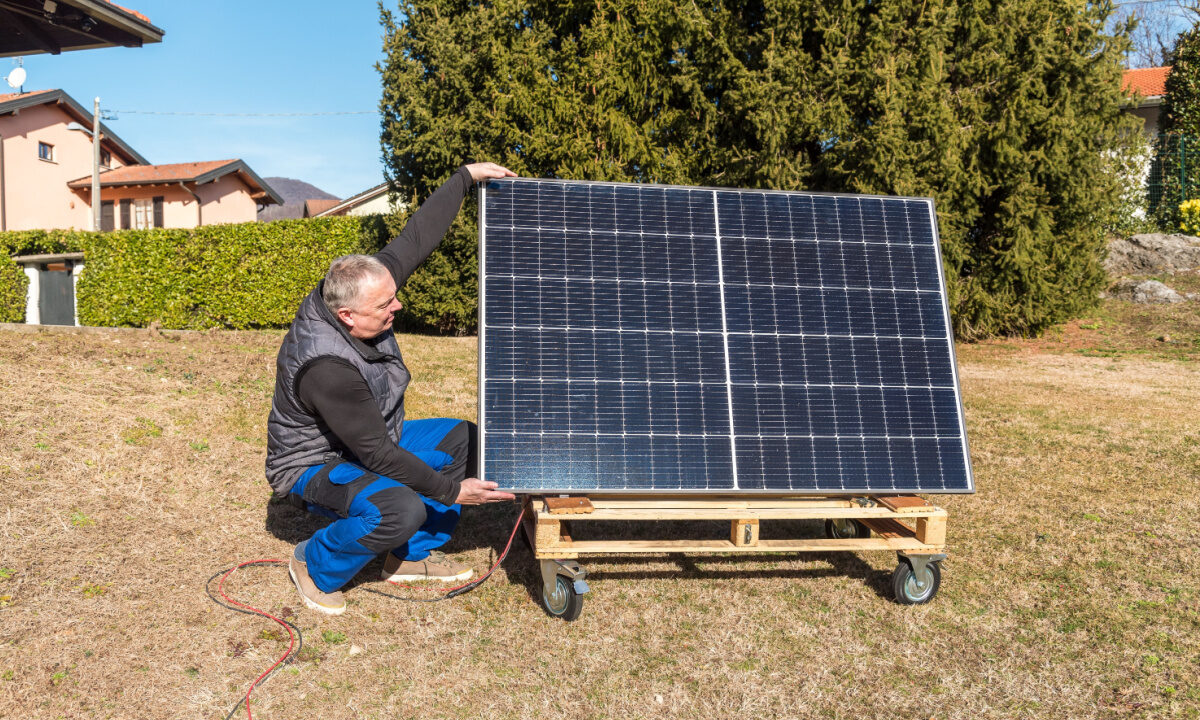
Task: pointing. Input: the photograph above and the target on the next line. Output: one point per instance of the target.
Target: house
(46, 158)
(315, 206)
(178, 194)
(1149, 85)
(368, 202)
(29, 27)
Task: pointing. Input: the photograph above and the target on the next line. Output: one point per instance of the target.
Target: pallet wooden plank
(618, 547)
(735, 502)
(606, 512)
(548, 532)
(568, 505)
(932, 530)
(888, 528)
(744, 532)
(902, 503)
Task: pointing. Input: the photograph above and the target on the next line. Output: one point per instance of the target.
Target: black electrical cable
(288, 657)
(282, 661)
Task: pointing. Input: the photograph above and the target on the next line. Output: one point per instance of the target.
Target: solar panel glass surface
(671, 339)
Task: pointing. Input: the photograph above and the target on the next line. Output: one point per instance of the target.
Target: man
(337, 441)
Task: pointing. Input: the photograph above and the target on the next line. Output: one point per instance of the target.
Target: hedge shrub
(13, 285)
(251, 275)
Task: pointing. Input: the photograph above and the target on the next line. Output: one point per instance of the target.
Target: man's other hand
(474, 491)
(488, 170)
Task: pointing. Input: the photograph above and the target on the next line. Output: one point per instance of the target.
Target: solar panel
(642, 338)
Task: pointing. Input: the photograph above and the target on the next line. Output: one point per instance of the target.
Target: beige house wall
(36, 195)
(35, 190)
(376, 205)
(227, 201)
(179, 207)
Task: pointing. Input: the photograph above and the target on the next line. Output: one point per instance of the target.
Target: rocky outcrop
(1144, 291)
(1153, 254)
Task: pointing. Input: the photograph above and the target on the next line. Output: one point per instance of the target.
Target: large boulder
(1153, 254)
(1144, 291)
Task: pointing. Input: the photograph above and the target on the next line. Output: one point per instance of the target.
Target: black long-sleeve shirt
(335, 390)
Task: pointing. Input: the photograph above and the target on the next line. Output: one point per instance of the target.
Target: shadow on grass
(486, 526)
(522, 567)
(489, 527)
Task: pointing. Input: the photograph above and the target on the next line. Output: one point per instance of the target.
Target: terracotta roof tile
(13, 96)
(143, 174)
(1147, 82)
(314, 206)
(127, 11)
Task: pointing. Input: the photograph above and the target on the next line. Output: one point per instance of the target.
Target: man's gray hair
(345, 279)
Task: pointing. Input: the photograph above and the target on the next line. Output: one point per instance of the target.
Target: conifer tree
(1002, 110)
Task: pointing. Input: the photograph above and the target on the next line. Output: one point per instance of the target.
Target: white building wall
(33, 314)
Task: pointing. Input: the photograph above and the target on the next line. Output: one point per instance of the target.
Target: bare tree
(1157, 23)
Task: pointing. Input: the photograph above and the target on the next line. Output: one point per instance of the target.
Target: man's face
(376, 304)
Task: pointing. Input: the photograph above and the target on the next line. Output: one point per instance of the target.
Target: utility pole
(96, 165)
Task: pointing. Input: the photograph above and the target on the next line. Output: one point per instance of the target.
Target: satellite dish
(16, 78)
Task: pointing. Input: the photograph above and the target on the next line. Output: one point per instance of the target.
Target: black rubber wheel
(565, 603)
(912, 590)
(842, 528)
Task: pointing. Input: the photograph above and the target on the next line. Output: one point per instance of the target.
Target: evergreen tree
(1177, 152)
(1002, 110)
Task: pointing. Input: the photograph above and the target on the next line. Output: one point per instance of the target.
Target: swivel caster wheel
(563, 602)
(916, 587)
(842, 528)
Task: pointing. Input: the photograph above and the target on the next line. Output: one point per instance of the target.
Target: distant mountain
(294, 192)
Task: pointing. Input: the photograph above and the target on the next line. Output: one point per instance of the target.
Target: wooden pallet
(905, 524)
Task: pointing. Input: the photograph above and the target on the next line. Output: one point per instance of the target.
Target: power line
(212, 114)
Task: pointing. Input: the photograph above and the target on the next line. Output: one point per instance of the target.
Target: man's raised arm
(428, 225)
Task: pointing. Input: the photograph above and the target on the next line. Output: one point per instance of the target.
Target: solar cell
(640, 338)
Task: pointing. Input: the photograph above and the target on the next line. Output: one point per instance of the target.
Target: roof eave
(74, 108)
(115, 18)
(128, 22)
(356, 200)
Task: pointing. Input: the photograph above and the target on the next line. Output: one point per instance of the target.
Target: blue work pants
(374, 514)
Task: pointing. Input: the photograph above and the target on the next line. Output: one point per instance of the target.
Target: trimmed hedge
(13, 285)
(251, 275)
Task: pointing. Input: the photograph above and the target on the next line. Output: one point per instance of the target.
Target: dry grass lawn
(131, 470)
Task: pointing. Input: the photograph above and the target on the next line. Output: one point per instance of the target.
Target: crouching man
(337, 441)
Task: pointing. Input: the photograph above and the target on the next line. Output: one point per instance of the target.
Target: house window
(105, 159)
(46, 151)
(143, 214)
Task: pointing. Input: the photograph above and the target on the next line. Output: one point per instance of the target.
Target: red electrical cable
(256, 611)
(447, 593)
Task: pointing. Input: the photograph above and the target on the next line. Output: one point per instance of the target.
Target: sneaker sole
(465, 575)
(313, 604)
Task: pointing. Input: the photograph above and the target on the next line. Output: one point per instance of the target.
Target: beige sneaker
(333, 603)
(435, 567)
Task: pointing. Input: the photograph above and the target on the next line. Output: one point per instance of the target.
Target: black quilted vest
(297, 438)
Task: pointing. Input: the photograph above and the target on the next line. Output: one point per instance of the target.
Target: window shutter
(106, 215)
(158, 211)
(126, 214)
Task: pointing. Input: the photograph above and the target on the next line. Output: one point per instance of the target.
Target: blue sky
(250, 56)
